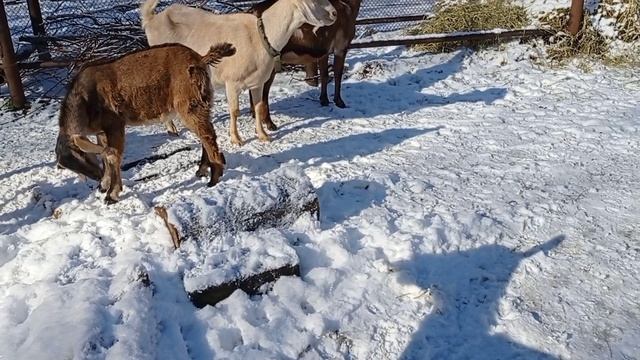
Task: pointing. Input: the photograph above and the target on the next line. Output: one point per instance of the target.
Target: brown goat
(137, 89)
(313, 49)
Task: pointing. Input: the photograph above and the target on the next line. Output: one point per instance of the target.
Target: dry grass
(471, 15)
(626, 14)
(588, 43)
(591, 44)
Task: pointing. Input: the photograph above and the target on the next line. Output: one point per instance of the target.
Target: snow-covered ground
(474, 206)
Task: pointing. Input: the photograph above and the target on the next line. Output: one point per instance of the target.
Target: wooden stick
(575, 17)
(37, 25)
(9, 65)
(390, 19)
(463, 36)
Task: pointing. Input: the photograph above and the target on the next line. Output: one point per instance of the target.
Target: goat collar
(265, 42)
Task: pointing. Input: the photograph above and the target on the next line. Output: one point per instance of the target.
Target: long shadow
(467, 287)
(25, 169)
(398, 95)
(341, 149)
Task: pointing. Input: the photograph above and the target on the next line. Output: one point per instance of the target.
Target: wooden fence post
(9, 64)
(37, 25)
(575, 17)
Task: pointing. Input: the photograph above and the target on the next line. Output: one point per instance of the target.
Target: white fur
(252, 65)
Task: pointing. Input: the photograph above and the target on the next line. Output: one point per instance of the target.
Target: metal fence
(69, 20)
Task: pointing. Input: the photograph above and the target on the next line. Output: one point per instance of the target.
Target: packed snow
(473, 206)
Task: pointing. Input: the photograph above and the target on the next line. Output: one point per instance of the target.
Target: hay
(626, 16)
(616, 20)
(588, 43)
(471, 15)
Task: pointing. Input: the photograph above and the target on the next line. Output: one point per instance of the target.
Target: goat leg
(251, 102)
(265, 98)
(105, 183)
(261, 113)
(234, 113)
(111, 158)
(203, 167)
(311, 70)
(200, 125)
(338, 69)
(81, 157)
(323, 64)
(168, 123)
(113, 154)
(71, 157)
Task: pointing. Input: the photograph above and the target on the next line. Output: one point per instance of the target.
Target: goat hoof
(264, 138)
(211, 183)
(271, 126)
(109, 201)
(339, 103)
(202, 173)
(102, 190)
(174, 134)
(324, 102)
(237, 142)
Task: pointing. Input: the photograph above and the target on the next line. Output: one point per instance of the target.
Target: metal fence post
(37, 25)
(9, 64)
(575, 17)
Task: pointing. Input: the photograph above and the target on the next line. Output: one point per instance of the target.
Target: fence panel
(63, 18)
(81, 30)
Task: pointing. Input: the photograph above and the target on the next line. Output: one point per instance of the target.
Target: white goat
(257, 47)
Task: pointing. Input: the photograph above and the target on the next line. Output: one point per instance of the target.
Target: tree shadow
(402, 94)
(467, 287)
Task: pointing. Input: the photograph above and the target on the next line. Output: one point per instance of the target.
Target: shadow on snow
(467, 287)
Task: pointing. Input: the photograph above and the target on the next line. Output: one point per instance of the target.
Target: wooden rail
(462, 36)
(392, 19)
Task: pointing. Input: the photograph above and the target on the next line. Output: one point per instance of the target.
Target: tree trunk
(575, 17)
(9, 65)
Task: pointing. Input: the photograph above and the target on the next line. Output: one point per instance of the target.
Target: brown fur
(136, 89)
(312, 50)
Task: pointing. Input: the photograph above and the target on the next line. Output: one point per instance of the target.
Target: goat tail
(217, 52)
(146, 11)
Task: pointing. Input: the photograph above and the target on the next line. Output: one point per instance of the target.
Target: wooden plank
(501, 35)
(250, 285)
(153, 158)
(390, 19)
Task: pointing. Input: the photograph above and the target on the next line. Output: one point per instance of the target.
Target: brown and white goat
(137, 89)
(312, 49)
(255, 59)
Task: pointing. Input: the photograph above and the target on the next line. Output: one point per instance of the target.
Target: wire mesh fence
(76, 31)
(66, 19)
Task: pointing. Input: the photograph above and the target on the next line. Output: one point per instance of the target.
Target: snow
(231, 207)
(218, 226)
(473, 205)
